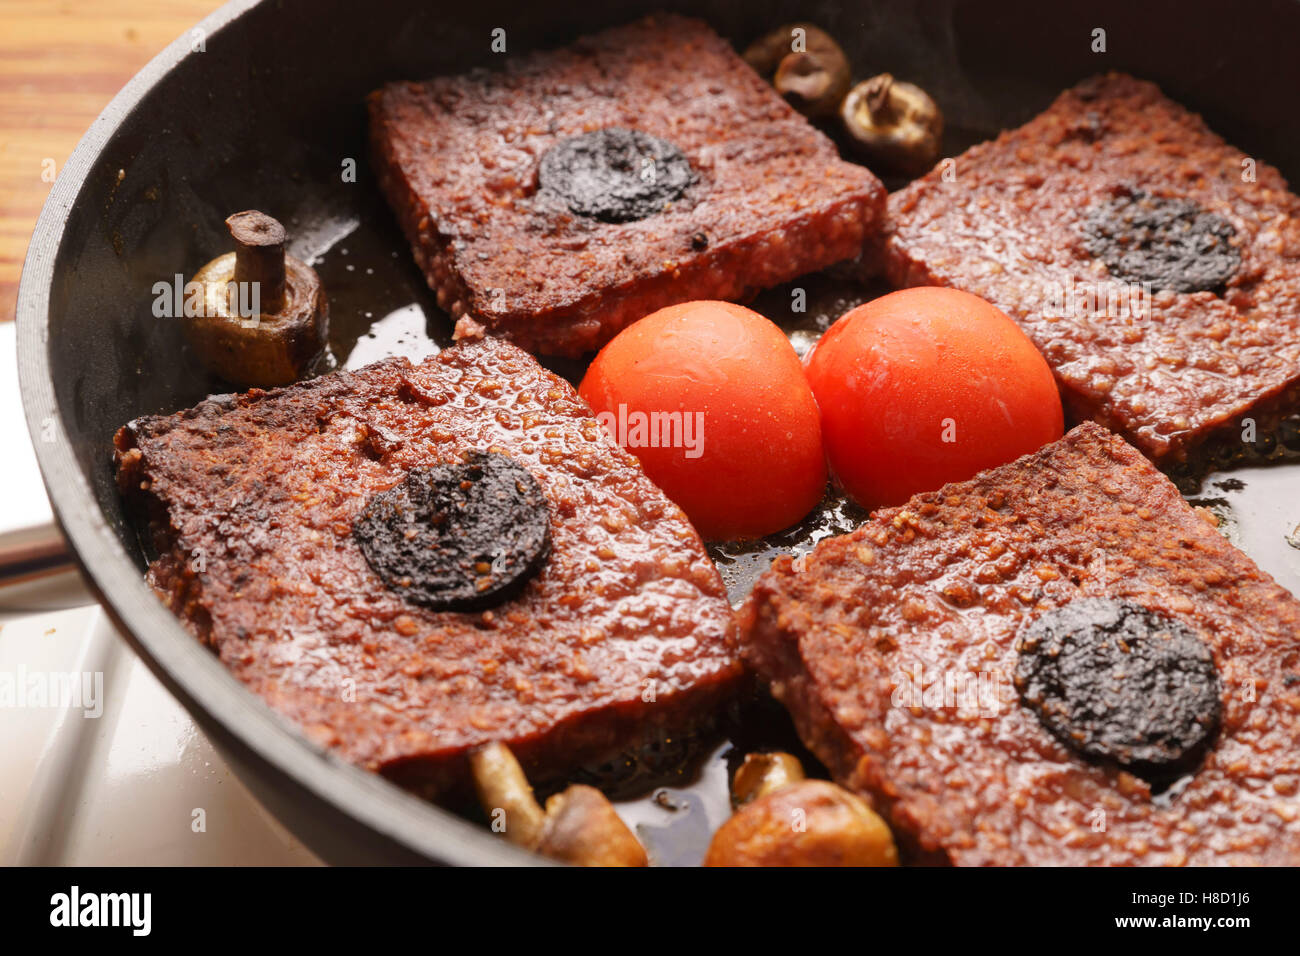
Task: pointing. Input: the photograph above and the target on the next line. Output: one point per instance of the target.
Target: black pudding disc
(1171, 243)
(615, 175)
(458, 537)
(1118, 683)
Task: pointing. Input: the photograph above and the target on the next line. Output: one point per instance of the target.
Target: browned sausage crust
(625, 631)
(458, 159)
(894, 647)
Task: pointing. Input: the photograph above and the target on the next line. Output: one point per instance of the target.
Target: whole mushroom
(265, 318)
(785, 820)
(805, 65)
(893, 125)
(578, 826)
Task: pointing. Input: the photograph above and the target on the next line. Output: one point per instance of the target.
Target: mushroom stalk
(506, 795)
(578, 826)
(876, 92)
(259, 255)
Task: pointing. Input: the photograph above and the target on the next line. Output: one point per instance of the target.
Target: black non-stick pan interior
(265, 109)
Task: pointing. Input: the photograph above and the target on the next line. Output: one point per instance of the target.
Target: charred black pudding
(616, 175)
(458, 537)
(1173, 244)
(1119, 683)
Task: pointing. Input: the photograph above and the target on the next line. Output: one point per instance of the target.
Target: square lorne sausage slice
(1155, 266)
(1055, 662)
(408, 561)
(573, 191)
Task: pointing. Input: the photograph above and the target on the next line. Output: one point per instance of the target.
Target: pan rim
(191, 672)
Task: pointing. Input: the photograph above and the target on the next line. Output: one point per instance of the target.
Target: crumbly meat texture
(458, 159)
(1011, 228)
(625, 632)
(894, 648)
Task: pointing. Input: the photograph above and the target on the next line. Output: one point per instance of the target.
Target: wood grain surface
(61, 61)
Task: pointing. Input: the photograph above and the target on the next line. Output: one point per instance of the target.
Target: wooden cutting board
(61, 61)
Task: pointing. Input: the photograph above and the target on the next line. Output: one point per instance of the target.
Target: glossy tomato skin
(759, 467)
(926, 386)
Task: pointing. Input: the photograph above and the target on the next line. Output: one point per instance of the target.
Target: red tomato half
(713, 399)
(926, 386)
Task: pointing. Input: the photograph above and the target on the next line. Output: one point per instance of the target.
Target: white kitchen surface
(138, 784)
(133, 783)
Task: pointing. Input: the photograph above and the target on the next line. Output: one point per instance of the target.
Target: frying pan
(261, 106)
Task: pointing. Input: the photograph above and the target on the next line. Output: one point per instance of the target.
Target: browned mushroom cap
(578, 826)
(806, 66)
(265, 318)
(767, 52)
(893, 125)
(582, 828)
(815, 82)
(761, 773)
(806, 823)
